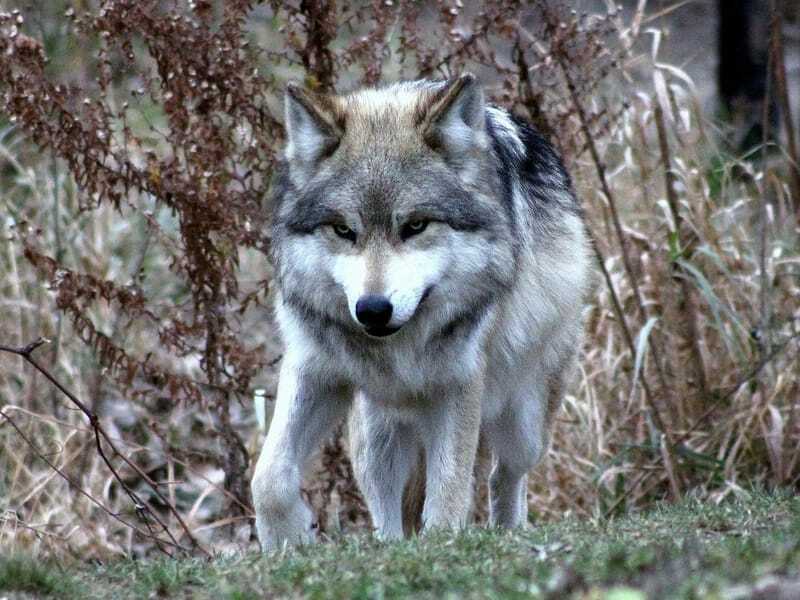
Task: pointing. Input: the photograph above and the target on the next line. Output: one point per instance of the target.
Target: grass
(19, 573)
(606, 455)
(687, 550)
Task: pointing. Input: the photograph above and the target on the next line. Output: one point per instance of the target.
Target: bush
(155, 132)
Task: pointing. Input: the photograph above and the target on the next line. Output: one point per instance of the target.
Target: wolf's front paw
(279, 530)
(282, 518)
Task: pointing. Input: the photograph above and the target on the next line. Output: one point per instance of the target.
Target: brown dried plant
(136, 158)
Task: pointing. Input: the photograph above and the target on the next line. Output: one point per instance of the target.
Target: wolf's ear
(313, 126)
(454, 120)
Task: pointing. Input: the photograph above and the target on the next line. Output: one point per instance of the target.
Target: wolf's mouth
(381, 331)
(425, 295)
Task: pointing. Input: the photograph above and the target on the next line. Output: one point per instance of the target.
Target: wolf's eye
(343, 231)
(413, 228)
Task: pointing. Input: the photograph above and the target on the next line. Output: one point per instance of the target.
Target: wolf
(431, 266)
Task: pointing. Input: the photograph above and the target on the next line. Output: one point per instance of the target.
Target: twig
(687, 304)
(600, 167)
(169, 453)
(666, 11)
(83, 492)
(142, 509)
(445, 60)
(766, 339)
(320, 28)
(15, 521)
(779, 69)
(527, 93)
(601, 174)
(750, 375)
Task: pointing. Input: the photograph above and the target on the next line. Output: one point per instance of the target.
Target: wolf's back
(530, 167)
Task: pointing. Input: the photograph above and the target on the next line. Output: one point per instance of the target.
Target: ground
(748, 547)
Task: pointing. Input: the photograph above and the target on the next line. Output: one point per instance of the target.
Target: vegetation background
(137, 140)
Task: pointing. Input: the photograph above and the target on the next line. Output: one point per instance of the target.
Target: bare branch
(142, 508)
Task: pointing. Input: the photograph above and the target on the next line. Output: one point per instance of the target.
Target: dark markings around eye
(412, 228)
(343, 231)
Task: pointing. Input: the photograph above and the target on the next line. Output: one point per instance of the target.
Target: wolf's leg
(518, 437)
(517, 449)
(523, 502)
(450, 437)
(305, 412)
(383, 452)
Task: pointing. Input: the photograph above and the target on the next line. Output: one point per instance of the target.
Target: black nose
(373, 310)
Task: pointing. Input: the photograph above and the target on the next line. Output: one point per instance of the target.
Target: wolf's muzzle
(374, 312)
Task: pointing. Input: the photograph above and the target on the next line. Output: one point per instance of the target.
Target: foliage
(26, 574)
(738, 549)
(139, 143)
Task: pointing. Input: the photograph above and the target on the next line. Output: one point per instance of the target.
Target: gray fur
(487, 300)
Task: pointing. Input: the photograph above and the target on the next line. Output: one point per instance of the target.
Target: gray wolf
(431, 265)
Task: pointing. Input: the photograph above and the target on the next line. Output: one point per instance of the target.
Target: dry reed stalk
(605, 451)
(623, 243)
(687, 305)
(764, 333)
(778, 54)
(675, 483)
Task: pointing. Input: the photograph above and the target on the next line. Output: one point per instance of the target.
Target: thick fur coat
(431, 264)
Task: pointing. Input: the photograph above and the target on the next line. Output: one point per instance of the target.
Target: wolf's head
(389, 205)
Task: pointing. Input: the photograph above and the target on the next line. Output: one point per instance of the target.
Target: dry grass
(700, 397)
(727, 335)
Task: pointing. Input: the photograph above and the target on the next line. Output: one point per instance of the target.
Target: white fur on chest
(401, 372)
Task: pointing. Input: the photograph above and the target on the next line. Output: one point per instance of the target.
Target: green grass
(37, 578)
(689, 550)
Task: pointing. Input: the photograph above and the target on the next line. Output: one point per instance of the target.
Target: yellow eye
(413, 228)
(343, 231)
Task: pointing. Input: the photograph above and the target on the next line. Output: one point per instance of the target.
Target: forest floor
(743, 548)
